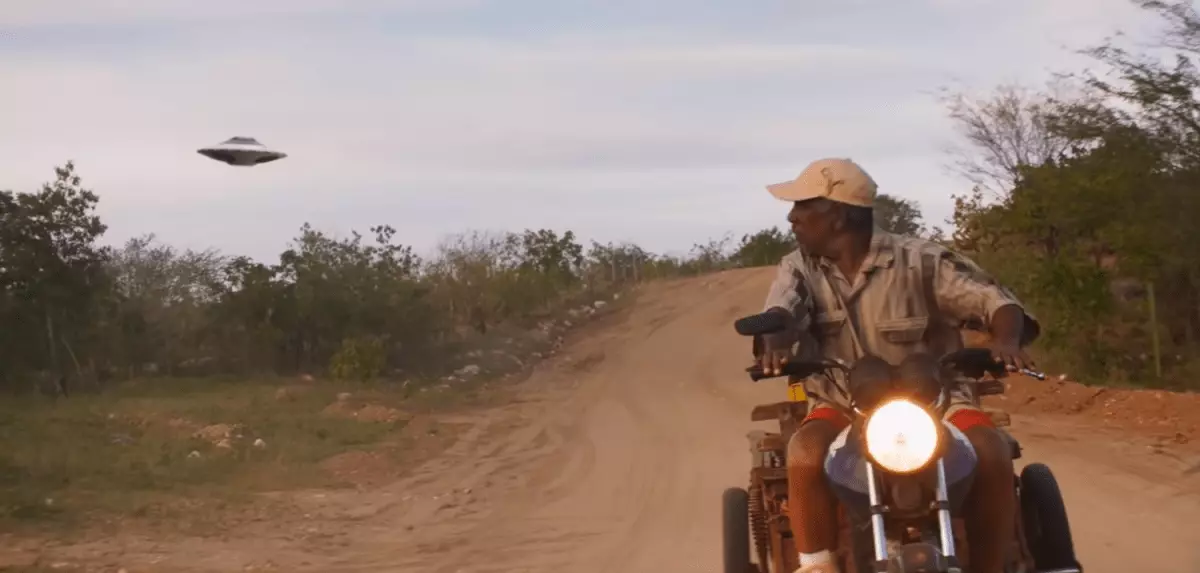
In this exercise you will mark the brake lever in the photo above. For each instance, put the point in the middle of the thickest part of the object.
(1032, 373)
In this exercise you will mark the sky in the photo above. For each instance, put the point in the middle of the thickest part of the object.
(658, 122)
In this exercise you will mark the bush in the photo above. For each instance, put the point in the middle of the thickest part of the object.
(361, 358)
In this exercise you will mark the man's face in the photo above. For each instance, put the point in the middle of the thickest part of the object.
(814, 224)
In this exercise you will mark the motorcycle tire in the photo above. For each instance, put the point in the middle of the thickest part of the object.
(735, 530)
(1044, 517)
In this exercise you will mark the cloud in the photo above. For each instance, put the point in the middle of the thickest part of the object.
(119, 12)
(447, 105)
(658, 122)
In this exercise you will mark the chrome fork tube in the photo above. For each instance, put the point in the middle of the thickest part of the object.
(945, 527)
(878, 533)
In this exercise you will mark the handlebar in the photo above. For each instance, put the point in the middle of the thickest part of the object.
(970, 362)
(760, 324)
(799, 369)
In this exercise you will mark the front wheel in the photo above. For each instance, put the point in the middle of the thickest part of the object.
(735, 526)
(1044, 516)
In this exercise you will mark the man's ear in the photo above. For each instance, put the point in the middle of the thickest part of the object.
(837, 213)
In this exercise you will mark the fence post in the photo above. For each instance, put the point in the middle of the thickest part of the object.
(1154, 330)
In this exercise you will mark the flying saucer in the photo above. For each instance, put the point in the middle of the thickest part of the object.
(241, 151)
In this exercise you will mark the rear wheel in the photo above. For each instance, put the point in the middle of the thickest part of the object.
(1044, 516)
(735, 522)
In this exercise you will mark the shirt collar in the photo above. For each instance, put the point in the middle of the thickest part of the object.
(880, 254)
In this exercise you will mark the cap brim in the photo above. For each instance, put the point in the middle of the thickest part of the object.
(790, 191)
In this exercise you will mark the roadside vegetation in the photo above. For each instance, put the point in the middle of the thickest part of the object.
(1085, 201)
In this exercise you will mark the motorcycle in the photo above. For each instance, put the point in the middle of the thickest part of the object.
(899, 472)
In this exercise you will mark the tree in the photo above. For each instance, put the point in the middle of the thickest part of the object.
(342, 288)
(160, 301)
(763, 248)
(622, 263)
(712, 255)
(1003, 132)
(52, 272)
(545, 253)
(900, 216)
(1095, 204)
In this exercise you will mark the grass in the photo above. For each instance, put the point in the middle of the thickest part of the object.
(133, 452)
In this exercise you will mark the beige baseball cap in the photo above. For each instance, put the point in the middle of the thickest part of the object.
(840, 180)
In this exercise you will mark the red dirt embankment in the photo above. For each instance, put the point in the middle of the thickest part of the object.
(1163, 415)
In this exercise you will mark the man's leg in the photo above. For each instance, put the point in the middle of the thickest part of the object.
(991, 505)
(812, 507)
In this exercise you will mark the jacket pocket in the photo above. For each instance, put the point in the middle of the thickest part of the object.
(903, 330)
(829, 324)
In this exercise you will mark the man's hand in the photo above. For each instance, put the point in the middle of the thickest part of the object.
(1011, 356)
(777, 347)
(1007, 324)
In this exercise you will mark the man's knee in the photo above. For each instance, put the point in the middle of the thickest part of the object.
(991, 448)
(810, 443)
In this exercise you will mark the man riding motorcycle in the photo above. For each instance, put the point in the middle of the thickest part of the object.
(853, 289)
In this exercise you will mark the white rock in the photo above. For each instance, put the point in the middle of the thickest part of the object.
(468, 370)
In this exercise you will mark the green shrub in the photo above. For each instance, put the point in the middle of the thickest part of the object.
(359, 358)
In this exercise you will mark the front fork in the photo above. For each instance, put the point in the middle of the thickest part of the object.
(879, 532)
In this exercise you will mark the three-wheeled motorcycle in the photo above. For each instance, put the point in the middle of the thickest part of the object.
(898, 470)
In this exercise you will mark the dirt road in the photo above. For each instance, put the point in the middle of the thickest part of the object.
(615, 460)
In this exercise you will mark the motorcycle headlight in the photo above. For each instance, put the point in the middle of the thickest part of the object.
(901, 436)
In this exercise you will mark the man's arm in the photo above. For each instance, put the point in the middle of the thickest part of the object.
(1007, 325)
(969, 294)
(790, 296)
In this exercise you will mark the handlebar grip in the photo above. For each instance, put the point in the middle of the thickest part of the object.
(760, 324)
(799, 369)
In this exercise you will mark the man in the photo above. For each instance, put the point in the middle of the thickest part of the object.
(853, 289)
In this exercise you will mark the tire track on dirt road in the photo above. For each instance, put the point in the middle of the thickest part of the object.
(509, 473)
(625, 418)
(549, 500)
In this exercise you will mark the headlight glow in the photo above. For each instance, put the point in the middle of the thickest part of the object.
(901, 436)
